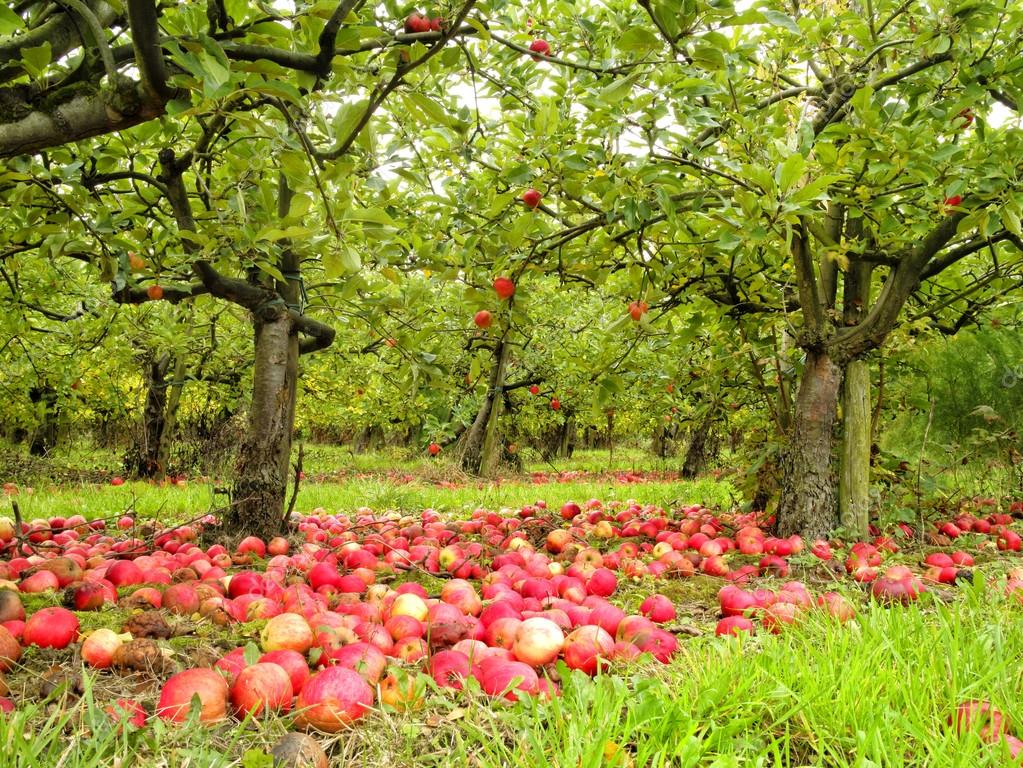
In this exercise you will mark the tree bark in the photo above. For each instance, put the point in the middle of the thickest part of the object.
(484, 433)
(44, 437)
(566, 445)
(807, 501)
(261, 472)
(149, 445)
(697, 454)
(170, 419)
(854, 481)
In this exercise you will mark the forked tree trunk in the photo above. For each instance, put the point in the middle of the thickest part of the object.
(854, 483)
(697, 454)
(566, 442)
(807, 501)
(147, 459)
(44, 437)
(482, 448)
(170, 419)
(261, 472)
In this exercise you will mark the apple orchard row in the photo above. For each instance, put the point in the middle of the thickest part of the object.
(524, 590)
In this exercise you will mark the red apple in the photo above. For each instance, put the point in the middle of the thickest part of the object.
(531, 198)
(177, 694)
(504, 287)
(658, 608)
(333, 698)
(507, 678)
(483, 319)
(293, 663)
(541, 47)
(99, 647)
(287, 631)
(260, 688)
(734, 625)
(51, 628)
(10, 649)
(538, 641)
(449, 668)
(637, 309)
(586, 647)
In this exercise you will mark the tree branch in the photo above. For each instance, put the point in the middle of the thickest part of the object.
(85, 13)
(81, 117)
(320, 334)
(145, 29)
(60, 31)
(173, 294)
(382, 92)
(902, 281)
(564, 62)
(939, 264)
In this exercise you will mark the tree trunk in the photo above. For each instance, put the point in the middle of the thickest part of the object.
(481, 452)
(170, 420)
(261, 472)
(807, 502)
(854, 483)
(566, 443)
(697, 454)
(44, 437)
(149, 445)
(610, 437)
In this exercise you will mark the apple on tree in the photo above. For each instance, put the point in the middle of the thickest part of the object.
(416, 23)
(504, 287)
(531, 198)
(483, 319)
(540, 46)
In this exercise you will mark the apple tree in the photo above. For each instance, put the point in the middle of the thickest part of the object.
(824, 171)
(216, 152)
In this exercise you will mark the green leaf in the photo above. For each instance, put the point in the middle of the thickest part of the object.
(617, 91)
(216, 72)
(371, 216)
(251, 653)
(1010, 219)
(9, 21)
(639, 39)
(37, 59)
(350, 259)
(300, 205)
(790, 171)
(274, 234)
(256, 758)
(347, 117)
(708, 55)
(779, 19)
(428, 107)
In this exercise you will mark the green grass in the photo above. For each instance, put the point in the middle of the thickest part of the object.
(175, 504)
(875, 692)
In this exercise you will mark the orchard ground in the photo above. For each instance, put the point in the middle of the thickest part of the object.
(877, 690)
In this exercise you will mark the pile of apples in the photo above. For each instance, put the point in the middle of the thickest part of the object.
(523, 590)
